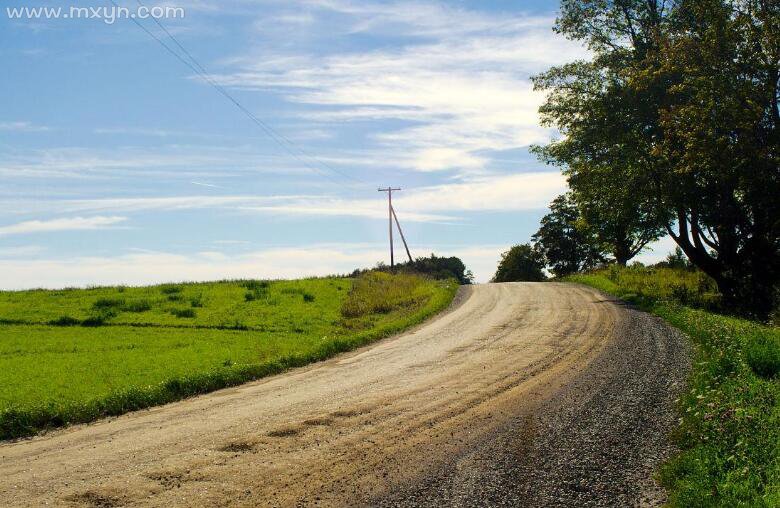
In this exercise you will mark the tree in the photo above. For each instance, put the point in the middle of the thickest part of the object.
(620, 224)
(566, 247)
(436, 267)
(679, 108)
(520, 263)
(720, 143)
(676, 260)
(441, 268)
(609, 211)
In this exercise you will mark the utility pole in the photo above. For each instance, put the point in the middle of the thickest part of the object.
(390, 216)
(389, 191)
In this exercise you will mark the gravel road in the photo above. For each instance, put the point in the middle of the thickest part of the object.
(522, 394)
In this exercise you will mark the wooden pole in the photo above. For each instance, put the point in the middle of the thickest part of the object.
(389, 191)
(400, 231)
(390, 223)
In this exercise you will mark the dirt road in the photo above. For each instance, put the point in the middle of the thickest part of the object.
(522, 394)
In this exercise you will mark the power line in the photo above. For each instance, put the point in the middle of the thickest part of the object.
(285, 143)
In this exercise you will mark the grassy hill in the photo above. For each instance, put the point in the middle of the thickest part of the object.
(75, 355)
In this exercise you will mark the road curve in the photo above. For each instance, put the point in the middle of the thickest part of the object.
(521, 393)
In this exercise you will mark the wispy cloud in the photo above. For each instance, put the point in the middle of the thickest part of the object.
(61, 224)
(22, 127)
(460, 79)
(405, 18)
(440, 203)
(525, 191)
(204, 184)
(144, 204)
(21, 251)
(160, 133)
(177, 160)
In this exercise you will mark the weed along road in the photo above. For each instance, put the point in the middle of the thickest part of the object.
(530, 394)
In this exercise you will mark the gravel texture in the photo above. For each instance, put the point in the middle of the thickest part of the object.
(595, 442)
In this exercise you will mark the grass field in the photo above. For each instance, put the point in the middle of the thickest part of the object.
(729, 431)
(75, 355)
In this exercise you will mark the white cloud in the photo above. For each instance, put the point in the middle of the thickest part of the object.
(127, 205)
(159, 133)
(64, 224)
(461, 78)
(178, 161)
(22, 127)
(416, 18)
(283, 262)
(204, 184)
(524, 191)
(20, 251)
(148, 268)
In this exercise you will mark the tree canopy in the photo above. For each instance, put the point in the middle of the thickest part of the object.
(565, 245)
(520, 263)
(673, 124)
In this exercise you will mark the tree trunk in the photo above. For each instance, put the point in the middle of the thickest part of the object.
(622, 252)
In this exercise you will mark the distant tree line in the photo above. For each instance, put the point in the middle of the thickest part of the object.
(433, 266)
(670, 128)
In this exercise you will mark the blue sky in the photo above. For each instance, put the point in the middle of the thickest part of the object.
(120, 165)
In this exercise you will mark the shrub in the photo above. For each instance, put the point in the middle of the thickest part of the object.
(255, 285)
(137, 306)
(308, 297)
(65, 321)
(99, 320)
(680, 285)
(170, 289)
(108, 303)
(183, 313)
(256, 289)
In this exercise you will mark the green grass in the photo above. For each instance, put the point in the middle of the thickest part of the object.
(729, 427)
(76, 355)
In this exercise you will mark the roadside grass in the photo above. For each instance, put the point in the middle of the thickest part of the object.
(77, 355)
(729, 427)
(380, 293)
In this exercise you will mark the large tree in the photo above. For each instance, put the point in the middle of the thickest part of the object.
(679, 104)
(721, 144)
(566, 246)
